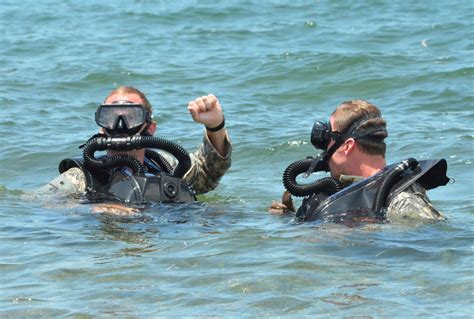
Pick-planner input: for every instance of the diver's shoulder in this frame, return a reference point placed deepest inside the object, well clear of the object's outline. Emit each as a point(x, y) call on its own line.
point(413, 203)
point(72, 181)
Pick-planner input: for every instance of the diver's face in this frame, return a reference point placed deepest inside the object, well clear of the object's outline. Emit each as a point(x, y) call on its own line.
point(338, 160)
point(133, 98)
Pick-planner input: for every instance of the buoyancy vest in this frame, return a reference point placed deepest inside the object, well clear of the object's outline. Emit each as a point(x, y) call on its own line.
point(358, 200)
point(155, 186)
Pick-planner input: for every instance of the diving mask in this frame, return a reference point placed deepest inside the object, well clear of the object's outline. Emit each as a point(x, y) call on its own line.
point(321, 135)
point(122, 117)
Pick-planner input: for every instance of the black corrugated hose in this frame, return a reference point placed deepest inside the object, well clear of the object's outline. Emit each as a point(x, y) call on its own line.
point(393, 176)
point(326, 185)
point(129, 143)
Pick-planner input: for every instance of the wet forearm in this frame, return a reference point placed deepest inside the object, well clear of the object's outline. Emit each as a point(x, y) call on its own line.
point(219, 141)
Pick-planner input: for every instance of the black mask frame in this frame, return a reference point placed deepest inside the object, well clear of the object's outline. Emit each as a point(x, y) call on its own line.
point(123, 118)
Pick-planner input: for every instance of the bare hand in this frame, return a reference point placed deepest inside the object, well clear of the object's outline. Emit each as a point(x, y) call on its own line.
point(206, 110)
point(278, 208)
point(114, 209)
point(284, 207)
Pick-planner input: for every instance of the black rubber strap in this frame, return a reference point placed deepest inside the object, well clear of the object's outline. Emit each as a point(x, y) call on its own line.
point(218, 127)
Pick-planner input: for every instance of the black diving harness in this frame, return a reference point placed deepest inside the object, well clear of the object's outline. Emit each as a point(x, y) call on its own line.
point(153, 181)
point(327, 200)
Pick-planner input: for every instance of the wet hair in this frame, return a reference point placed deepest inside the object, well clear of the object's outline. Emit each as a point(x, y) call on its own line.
point(132, 90)
point(369, 117)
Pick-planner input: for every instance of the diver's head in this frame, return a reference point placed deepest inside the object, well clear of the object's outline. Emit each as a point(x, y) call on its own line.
point(126, 112)
point(353, 139)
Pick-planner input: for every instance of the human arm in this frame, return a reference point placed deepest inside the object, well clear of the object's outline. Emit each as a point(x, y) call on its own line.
point(213, 158)
point(284, 207)
point(207, 110)
point(73, 183)
point(208, 165)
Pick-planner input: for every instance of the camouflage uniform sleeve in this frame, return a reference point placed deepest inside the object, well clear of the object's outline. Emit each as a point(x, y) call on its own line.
point(208, 166)
point(413, 204)
point(71, 182)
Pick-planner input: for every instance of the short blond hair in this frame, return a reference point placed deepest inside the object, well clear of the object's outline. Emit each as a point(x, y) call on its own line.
point(132, 90)
point(349, 112)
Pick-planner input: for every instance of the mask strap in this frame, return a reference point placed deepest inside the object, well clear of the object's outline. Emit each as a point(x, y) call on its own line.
point(144, 131)
point(347, 133)
point(337, 143)
point(365, 134)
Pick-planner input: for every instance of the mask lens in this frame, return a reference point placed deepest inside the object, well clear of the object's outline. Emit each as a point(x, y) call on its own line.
point(320, 136)
point(132, 115)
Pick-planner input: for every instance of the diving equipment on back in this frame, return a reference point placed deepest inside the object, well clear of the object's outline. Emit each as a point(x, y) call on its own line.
point(367, 198)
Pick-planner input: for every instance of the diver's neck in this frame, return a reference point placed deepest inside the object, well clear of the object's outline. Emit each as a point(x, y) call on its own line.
point(371, 166)
point(136, 154)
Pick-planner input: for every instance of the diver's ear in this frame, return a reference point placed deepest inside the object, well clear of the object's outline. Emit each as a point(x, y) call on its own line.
point(152, 128)
point(349, 145)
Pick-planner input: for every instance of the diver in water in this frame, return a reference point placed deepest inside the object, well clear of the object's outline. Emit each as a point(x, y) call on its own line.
point(131, 171)
point(361, 187)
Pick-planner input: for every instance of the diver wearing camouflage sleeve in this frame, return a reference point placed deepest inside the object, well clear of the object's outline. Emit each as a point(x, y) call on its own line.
point(208, 164)
point(412, 204)
point(208, 167)
point(362, 153)
point(362, 186)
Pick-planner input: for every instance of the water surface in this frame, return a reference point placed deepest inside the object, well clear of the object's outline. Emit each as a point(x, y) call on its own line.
point(276, 66)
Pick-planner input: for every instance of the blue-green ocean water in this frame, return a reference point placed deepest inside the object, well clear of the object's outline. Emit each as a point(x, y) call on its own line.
point(276, 66)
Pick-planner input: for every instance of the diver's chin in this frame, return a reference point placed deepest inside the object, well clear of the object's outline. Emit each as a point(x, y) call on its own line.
point(121, 153)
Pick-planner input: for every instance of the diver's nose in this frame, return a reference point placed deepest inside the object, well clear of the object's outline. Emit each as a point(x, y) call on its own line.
point(121, 124)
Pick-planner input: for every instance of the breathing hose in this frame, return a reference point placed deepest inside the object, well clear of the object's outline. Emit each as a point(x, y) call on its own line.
point(160, 159)
point(134, 142)
point(326, 185)
point(394, 175)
